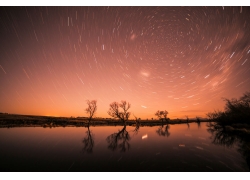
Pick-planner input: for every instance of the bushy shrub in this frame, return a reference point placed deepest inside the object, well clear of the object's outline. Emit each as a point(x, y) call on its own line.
point(235, 111)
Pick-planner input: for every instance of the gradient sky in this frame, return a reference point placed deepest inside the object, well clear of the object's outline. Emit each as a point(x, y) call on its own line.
point(179, 59)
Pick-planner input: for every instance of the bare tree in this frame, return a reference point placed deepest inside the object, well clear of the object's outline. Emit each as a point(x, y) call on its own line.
point(91, 109)
point(162, 115)
point(120, 111)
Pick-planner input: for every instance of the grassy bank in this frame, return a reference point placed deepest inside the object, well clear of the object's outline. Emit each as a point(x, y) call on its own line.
point(14, 120)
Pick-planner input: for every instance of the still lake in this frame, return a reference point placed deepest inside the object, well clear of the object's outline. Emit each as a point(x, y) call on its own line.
point(179, 147)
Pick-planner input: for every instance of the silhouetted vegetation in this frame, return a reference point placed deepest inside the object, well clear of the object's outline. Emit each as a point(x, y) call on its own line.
point(88, 141)
point(235, 111)
point(231, 126)
point(91, 109)
point(162, 115)
point(119, 140)
point(198, 119)
point(120, 111)
point(13, 120)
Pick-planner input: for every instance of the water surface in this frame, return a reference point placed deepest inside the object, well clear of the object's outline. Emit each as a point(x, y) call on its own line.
point(180, 147)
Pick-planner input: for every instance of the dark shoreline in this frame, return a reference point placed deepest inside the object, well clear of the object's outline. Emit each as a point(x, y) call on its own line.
point(14, 120)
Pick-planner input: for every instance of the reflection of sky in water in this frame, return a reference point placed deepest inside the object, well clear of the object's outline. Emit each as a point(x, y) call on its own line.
point(60, 149)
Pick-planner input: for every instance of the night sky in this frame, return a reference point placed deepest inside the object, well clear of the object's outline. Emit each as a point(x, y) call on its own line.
point(179, 59)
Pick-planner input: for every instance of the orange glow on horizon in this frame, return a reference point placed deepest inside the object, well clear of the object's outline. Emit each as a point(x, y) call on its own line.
point(179, 59)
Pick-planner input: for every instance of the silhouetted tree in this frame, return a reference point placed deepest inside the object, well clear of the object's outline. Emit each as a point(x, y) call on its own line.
point(120, 111)
point(222, 125)
point(162, 115)
point(88, 142)
point(235, 111)
point(119, 140)
point(91, 109)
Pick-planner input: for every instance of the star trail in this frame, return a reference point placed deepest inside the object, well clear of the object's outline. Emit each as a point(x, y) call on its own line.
point(179, 59)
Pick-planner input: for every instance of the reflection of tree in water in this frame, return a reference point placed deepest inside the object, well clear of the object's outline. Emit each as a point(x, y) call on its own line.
point(163, 130)
point(119, 140)
point(88, 142)
point(222, 137)
point(198, 121)
point(244, 149)
point(187, 122)
point(228, 137)
point(199, 124)
point(137, 124)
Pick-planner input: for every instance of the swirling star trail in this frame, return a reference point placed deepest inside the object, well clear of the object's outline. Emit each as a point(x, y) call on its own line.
point(179, 59)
